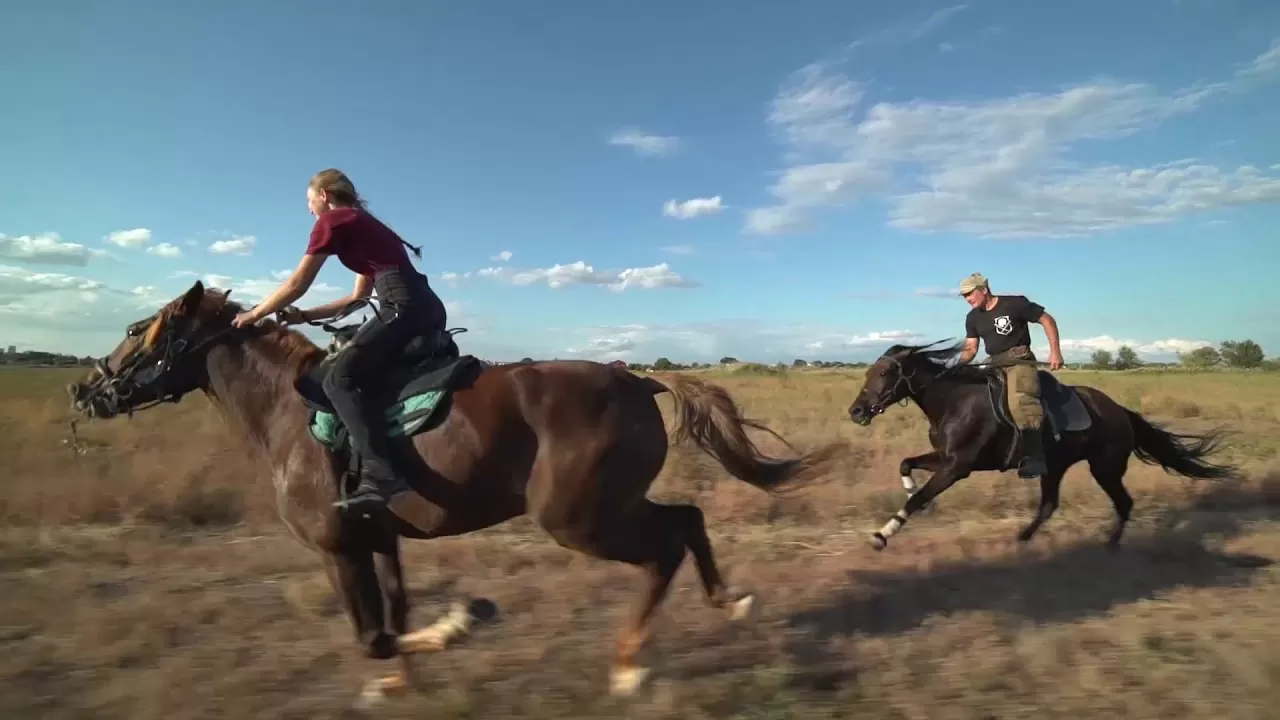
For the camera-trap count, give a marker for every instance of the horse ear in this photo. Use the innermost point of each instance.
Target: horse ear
(222, 300)
(191, 301)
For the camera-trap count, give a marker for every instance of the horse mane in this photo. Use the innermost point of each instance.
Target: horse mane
(296, 351)
(939, 358)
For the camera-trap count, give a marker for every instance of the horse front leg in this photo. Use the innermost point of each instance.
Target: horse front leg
(929, 461)
(944, 477)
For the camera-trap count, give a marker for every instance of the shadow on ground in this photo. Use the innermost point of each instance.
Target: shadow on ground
(1078, 581)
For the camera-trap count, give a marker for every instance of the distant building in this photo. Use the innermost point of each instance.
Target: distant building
(13, 350)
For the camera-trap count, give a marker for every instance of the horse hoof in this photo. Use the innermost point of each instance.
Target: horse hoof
(626, 681)
(370, 698)
(879, 541)
(376, 692)
(744, 608)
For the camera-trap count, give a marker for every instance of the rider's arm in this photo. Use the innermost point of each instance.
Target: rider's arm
(294, 286)
(970, 341)
(1050, 331)
(362, 289)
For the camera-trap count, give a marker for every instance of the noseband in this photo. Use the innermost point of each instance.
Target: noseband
(147, 370)
(878, 407)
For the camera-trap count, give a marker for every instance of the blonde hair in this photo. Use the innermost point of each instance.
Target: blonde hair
(339, 186)
(344, 194)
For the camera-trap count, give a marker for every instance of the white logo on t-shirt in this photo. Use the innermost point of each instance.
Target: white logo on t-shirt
(1004, 325)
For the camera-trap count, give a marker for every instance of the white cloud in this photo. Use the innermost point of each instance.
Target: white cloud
(645, 143)
(134, 238)
(884, 339)
(165, 250)
(219, 281)
(708, 341)
(253, 290)
(580, 273)
(239, 245)
(257, 290)
(1081, 349)
(998, 167)
(693, 207)
(909, 30)
(503, 256)
(611, 345)
(149, 296)
(935, 21)
(18, 284)
(744, 339)
(44, 249)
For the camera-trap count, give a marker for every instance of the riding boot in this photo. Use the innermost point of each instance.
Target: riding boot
(375, 488)
(1033, 463)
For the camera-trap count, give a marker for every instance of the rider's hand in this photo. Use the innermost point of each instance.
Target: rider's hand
(292, 316)
(1055, 361)
(244, 319)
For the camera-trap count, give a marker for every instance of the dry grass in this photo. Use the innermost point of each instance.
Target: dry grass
(148, 578)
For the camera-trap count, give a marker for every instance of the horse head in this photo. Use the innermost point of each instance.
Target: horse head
(897, 375)
(160, 357)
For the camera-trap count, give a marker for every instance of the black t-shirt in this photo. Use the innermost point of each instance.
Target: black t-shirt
(1004, 326)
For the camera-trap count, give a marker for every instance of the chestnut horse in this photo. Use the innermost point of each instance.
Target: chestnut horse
(573, 444)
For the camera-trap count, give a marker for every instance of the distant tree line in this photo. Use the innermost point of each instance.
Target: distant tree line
(1237, 354)
(41, 358)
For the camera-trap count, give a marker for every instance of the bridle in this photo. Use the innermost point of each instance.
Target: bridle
(151, 369)
(885, 399)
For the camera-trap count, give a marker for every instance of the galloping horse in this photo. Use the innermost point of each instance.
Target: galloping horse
(573, 444)
(970, 430)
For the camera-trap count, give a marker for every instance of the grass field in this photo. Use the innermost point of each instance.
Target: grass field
(148, 578)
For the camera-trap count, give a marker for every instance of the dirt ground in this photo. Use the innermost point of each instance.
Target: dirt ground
(148, 578)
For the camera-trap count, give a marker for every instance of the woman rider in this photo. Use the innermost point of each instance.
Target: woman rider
(408, 309)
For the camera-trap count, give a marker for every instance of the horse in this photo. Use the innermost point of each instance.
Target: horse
(573, 444)
(970, 429)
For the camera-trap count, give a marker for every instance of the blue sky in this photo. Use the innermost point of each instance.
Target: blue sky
(759, 179)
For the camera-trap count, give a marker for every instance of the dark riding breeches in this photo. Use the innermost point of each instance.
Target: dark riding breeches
(358, 369)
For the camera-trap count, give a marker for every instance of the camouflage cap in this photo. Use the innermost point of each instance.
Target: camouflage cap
(972, 282)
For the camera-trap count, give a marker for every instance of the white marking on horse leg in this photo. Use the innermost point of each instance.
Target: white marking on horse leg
(625, 681)
(743, 608)
(909, 485)
(378, 690)
(880, 538)
(439, 634)
(894, 525)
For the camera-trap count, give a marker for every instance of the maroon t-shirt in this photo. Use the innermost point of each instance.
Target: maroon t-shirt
(360, 241)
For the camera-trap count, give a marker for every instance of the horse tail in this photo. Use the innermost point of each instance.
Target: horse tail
(708, 415)
(1182, 454)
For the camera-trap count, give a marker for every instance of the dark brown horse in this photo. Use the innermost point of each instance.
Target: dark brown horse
(573, 444)
(970, 430)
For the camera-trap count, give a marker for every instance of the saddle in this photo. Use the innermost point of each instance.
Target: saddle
(1063, 408)
(415, 389)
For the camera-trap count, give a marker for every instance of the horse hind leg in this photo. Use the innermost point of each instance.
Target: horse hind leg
(1108, 471)
(692, 523)
(647, 538)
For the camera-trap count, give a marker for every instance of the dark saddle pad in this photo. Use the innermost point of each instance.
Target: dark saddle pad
(414, 372)
(1062, 405)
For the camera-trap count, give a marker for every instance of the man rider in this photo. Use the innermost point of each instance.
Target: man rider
(1001, 322)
